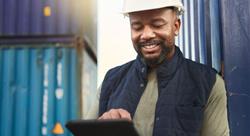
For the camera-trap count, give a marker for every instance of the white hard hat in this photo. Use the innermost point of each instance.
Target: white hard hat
(140, 5)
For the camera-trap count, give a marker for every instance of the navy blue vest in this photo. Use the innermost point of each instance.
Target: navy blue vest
(184, 87)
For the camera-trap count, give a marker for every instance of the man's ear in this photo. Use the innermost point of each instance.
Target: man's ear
(177, 25)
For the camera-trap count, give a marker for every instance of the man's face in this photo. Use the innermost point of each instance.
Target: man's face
(153, 34)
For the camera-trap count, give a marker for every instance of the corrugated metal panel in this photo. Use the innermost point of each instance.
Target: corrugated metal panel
(201, 32)
(1, 17)
(10, 19)
(63, 8)
(41, 17)
(35, 93)
(38, 86)
(49, 17)
(216, 37)
(223, 35)
(36, 17)
(199, 37)
(236, 38)
(24, 11)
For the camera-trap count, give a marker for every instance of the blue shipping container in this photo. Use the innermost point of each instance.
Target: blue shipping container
(39, 85)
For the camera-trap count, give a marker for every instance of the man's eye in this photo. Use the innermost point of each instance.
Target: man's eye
(136, 27)
(158, 25)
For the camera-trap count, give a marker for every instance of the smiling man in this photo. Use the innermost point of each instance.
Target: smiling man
(163, 93)
(153, 37)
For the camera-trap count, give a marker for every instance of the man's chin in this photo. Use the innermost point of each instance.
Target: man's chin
(152, 61)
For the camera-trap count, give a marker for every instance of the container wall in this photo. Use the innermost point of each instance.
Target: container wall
(39, 88)
(216, 33)
(199, 37)
(49, 17)
(236, 38)
(41, 17)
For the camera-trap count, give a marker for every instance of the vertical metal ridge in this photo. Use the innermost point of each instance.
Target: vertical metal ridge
(50, 61)
(185, 30)
(1, 16)
(192, 29)
(35, 94)
(21, 93)
(23, 17)
(1, 86)
(74, 99)
(8, 89)
(63, 101)
(36, 17)
(202, 43)
(50, 22)
(215, 35)
(196, 31)
(63, 10)
(9, 19)
(208, 32)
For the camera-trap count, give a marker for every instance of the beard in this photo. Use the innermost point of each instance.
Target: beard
(165, 50)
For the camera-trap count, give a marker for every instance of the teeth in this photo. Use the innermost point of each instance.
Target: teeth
(150, 46)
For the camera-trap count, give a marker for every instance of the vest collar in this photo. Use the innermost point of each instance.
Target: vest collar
(165, 69)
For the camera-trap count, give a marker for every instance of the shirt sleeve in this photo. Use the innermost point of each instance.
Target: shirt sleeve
(215, 122)
(92, 112)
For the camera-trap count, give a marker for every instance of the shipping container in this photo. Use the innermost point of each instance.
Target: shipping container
(49, 17)
(236, 39)
(200, 34)
(216, 33)
(41, 83)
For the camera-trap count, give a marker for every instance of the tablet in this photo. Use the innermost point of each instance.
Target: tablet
(101, 128)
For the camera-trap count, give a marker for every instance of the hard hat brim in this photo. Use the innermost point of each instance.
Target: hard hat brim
(138, 5)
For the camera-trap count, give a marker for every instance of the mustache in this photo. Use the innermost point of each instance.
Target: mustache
(150, 42)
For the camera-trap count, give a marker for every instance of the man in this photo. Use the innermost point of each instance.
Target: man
(163, 93)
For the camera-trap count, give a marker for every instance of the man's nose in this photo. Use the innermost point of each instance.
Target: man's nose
(147, 33)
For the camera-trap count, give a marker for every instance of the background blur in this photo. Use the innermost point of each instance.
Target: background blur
(114, 44)
(55, 53)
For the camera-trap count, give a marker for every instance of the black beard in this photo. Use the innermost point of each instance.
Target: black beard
(153, 61)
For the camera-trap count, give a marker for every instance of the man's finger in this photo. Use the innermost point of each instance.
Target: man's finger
(106, 115)
(124, 114)
(114, 113)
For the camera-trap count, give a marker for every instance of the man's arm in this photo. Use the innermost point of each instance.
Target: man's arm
(215, 122)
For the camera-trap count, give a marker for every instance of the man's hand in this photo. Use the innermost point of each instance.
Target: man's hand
(116, 114)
